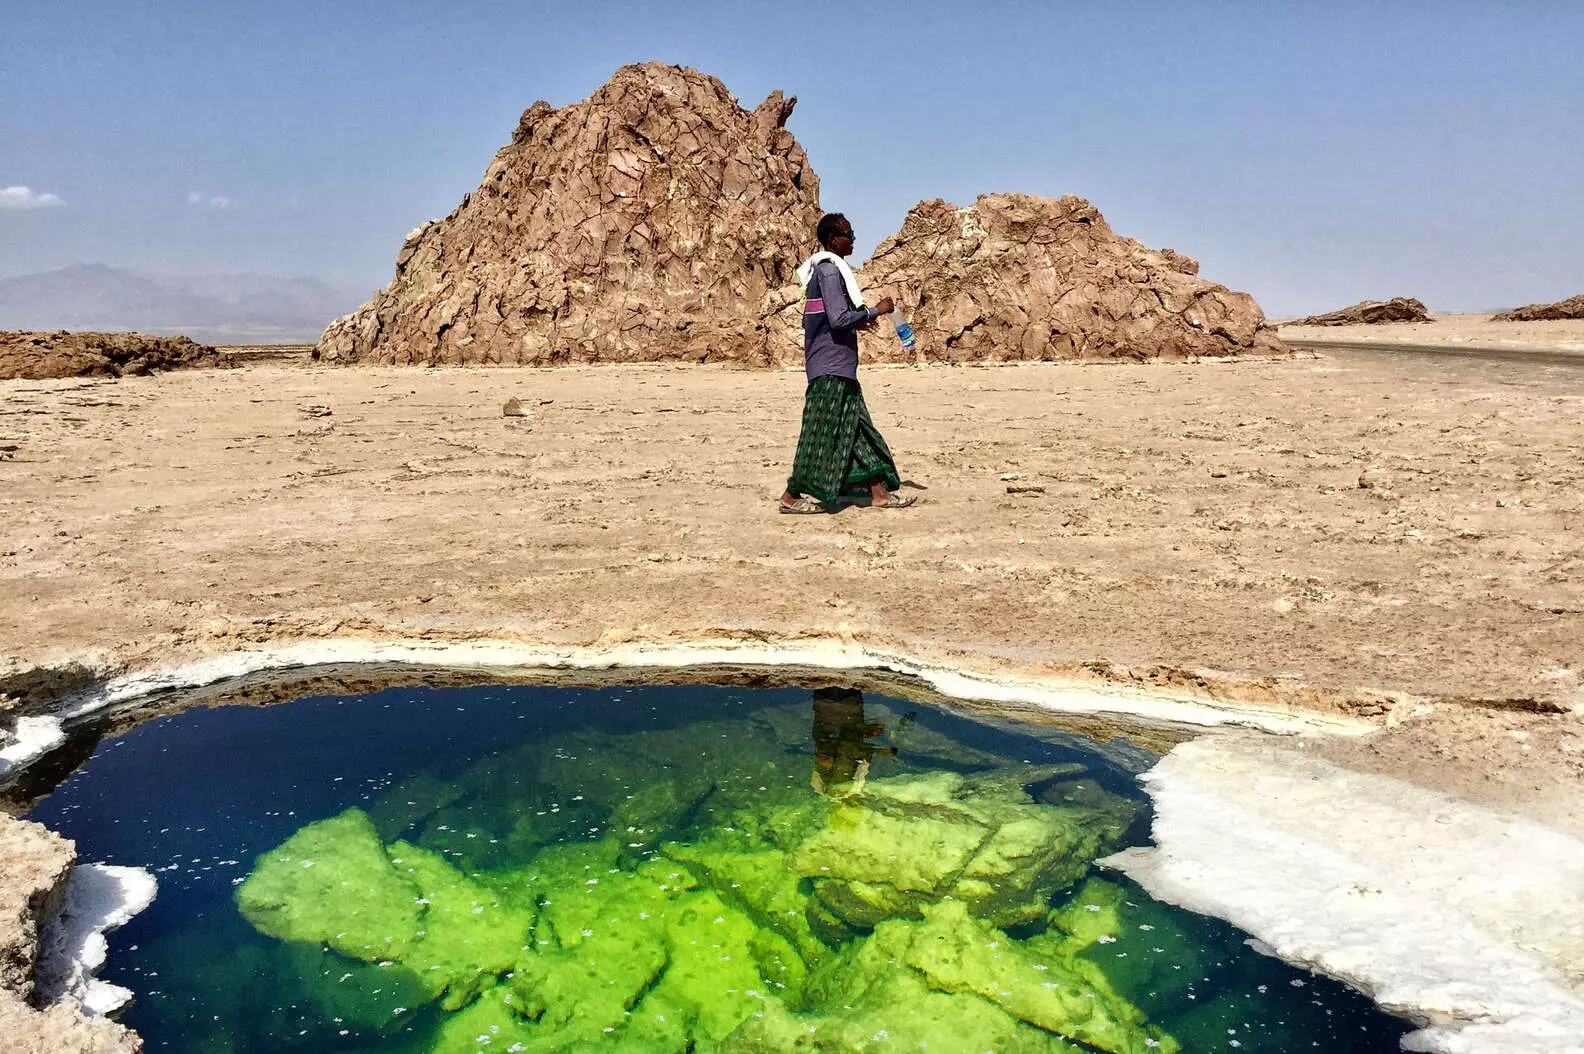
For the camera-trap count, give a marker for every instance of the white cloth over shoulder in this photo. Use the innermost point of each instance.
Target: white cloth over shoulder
(806, 271)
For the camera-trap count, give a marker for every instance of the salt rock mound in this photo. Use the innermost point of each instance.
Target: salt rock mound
(1014, 276)
(1561, 311)
(646, 222)
(1371, 312)
(39, 356)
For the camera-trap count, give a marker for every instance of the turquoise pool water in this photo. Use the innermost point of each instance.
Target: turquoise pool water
(668, 868)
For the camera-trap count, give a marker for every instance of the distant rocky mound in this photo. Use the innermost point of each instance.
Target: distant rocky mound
(647, 222)
(1371, 312)
(1561, 311)
(657, 219)
(1014, 276)
(38, 356)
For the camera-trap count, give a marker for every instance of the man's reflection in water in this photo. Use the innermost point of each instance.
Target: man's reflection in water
(842, 746)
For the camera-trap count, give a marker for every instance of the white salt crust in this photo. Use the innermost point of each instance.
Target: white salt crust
(505, 657)
(1468, 922)
(32, 737)
(98, 898)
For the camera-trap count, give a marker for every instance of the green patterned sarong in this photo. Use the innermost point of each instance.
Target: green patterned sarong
(839, 450)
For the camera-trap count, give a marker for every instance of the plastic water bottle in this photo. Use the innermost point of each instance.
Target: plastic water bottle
(903, 330)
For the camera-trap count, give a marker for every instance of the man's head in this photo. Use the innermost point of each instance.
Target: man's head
(835, 234)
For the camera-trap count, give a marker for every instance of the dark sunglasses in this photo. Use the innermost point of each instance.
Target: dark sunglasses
(843, 234)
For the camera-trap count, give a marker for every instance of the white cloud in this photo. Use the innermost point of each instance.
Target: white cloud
(208, 201)
(27, 198)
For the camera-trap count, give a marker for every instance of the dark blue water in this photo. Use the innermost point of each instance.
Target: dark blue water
(521, 793)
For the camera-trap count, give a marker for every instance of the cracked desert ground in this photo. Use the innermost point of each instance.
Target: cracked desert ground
(1396, 536)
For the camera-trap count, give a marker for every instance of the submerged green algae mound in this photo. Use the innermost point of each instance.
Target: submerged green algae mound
(950, 981)
(911, 841)
(470, 933)
(685, 890)
(331, 883)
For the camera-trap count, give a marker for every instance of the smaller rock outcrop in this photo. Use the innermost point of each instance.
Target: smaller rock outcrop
(1371, 312)
(37, 864)
(41, 356)
(1561, 311)
(1014, 276)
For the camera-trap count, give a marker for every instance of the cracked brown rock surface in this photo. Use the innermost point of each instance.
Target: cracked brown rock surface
(1371, 312)
(38, 356)
(36, 864)
(1014, 276)
(658, 219)
(1562, 310)
(1536, 341)
(648, 221)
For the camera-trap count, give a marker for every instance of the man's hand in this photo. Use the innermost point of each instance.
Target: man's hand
(885, 306)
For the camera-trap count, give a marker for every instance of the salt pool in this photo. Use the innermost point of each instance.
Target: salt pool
(668, 868)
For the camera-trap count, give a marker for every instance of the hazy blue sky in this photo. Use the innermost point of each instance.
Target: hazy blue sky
(1311, 153)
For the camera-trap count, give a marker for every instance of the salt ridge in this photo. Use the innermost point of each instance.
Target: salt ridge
(1465, 921)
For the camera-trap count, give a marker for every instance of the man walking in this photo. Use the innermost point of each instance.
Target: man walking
(839, 449)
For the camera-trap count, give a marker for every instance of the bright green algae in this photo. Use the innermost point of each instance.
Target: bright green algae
(655, 893)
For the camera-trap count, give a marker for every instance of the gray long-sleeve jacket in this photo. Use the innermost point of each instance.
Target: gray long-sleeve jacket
(830, 325)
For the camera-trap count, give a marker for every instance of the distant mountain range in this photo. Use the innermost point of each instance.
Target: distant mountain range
(214, 309)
